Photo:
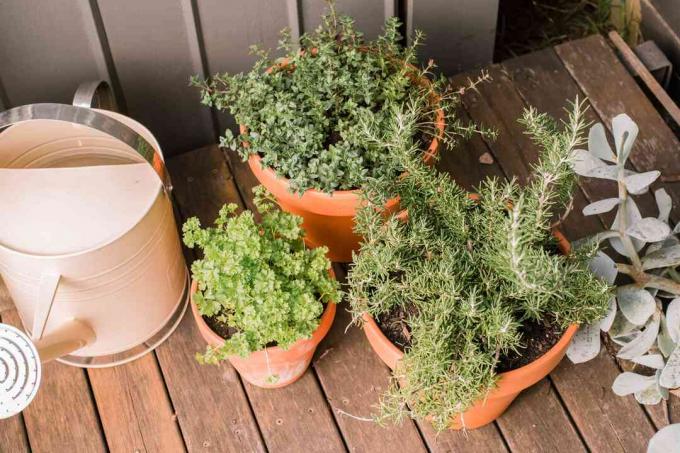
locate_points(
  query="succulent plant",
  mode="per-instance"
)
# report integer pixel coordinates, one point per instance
(644, 310)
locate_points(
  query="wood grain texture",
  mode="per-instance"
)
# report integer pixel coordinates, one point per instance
(134, 407)
(153, 46)
(353, 378)
(487, 439)
(634, 62)
(536, 421)
(603, 418)
(211, 406)
(611, 91)
(63, 416)
(295, 417)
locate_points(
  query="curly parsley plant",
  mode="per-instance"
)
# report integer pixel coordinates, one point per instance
(259, 279)
(303, 112)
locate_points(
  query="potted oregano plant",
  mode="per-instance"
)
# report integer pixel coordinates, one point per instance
(299, 118)
(471, 299)
(643, 320)
(260, 298)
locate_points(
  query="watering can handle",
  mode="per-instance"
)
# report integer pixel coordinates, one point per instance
(95, 94)
(93, 119)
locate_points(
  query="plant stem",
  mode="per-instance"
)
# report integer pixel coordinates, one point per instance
(649, 280)
(625, 239)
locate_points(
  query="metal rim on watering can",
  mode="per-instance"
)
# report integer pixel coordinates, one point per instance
(95, 120)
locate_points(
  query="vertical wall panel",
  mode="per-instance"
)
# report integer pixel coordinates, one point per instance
(369, 14)
(229, 29)
(47, 49)
(460, 34)
(155, 50)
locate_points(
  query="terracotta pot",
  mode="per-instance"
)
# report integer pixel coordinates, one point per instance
(272, 367)
(328, 219)
(509, 384)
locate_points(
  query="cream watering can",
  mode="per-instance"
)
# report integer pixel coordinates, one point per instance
(89, 249)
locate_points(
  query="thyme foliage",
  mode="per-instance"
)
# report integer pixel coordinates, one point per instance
(258, 279)
(303, 112)
(474, 270)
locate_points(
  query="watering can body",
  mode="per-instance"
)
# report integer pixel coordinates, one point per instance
(88, 230)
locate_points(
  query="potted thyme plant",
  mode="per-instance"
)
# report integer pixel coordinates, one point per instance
(471, 299)
(299, 119)
(260, 298)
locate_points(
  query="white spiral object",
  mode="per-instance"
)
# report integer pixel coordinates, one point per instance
(19, 371)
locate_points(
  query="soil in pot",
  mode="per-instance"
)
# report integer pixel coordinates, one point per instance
(537, 337)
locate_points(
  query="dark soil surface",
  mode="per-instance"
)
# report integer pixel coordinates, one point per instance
(394, 326)
(538, 337)
(219, 328)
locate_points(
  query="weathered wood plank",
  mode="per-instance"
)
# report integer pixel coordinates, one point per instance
(211, 406)
(293, 418)
(463, 162)
(543, 82)
(536, 421)
(296, 417)
(611, 90)
(63, 416)
(486, 439)
(606, 421)
(353, 378)
(13, 437)
(134, 407)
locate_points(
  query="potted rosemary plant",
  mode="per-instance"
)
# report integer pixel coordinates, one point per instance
(471, 299)
(299, 119)
(260, 298)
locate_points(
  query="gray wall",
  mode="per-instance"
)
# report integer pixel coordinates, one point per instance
(147, 49)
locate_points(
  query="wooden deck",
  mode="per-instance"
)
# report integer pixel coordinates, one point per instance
(166, 402)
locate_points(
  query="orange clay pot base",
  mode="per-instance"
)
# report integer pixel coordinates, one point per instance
(510, 383)
(272, 367)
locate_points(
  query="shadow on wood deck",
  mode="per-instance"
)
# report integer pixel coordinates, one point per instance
(166, 402)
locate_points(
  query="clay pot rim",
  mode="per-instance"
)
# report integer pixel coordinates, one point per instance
(509, 382)
(254, 160)
(325, 323)
(369, 323)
